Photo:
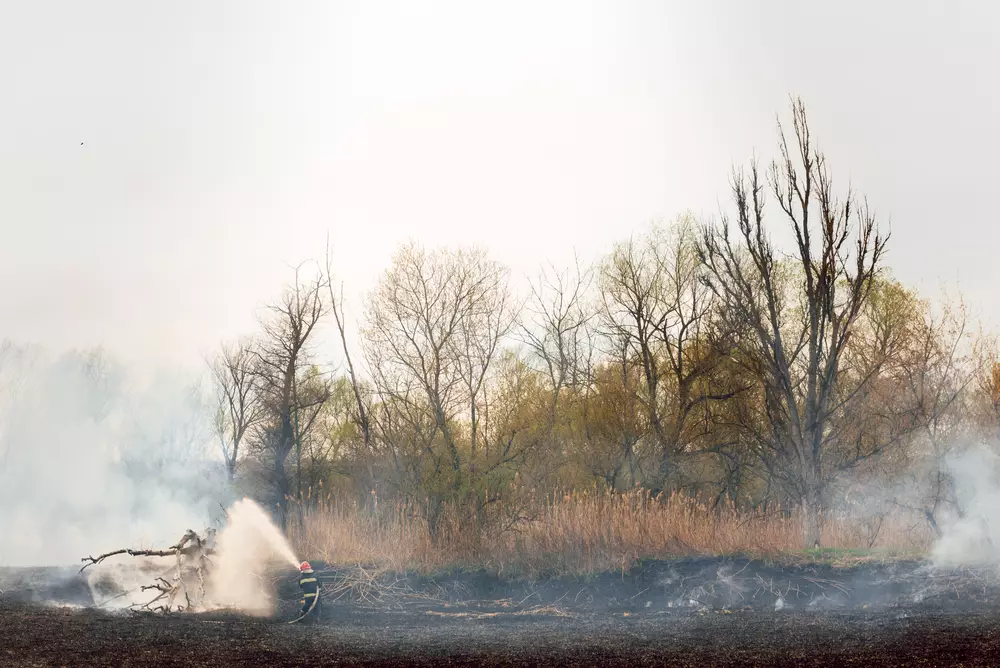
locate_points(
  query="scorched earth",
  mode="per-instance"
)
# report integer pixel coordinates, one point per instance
(691, 612)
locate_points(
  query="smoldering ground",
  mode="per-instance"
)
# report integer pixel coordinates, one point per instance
(688, 612)
(697, 611)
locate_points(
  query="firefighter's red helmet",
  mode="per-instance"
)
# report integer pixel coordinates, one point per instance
(304, 566)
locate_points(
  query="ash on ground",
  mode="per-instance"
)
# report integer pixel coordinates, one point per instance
(667, 586)
(663, 586)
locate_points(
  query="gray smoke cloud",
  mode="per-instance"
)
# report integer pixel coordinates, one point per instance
(94, 458)
(972, 537)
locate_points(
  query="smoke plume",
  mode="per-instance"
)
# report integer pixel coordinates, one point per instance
(93, 459)
(972, 536)
(234, 574)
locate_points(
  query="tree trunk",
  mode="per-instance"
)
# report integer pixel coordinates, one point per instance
(810, 523)
(474, 433)
(281, 483)
(298, 460)
(664, 470)
(811, 509)
(286, 441)
(435, 509)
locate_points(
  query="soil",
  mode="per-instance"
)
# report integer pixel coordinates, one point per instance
(691, 613)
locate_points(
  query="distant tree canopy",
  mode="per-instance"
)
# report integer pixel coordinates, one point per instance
(695, 357)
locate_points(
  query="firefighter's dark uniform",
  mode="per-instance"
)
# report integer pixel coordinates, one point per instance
(310, 593)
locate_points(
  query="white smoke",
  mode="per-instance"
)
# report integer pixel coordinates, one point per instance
(92, 459)
(972, 537)
(247, 553)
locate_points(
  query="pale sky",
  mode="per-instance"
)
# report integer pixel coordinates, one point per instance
(161, 163)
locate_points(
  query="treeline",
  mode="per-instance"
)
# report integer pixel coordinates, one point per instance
(697, 357)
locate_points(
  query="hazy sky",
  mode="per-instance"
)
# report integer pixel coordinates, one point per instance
(160, 163)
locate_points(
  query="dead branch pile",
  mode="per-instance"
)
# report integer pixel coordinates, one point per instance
(370, 586)
(182, 586)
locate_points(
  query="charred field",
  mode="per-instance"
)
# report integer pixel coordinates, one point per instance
(699, 611)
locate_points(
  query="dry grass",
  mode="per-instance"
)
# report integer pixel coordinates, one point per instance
(582, 532)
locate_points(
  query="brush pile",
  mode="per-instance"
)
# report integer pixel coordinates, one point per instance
(371, 586)
(180, 586)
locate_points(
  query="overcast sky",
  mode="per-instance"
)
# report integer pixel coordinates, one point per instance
(161, 163)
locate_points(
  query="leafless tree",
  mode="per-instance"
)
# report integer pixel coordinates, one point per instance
(239, 408)
(434, 325)
(284, 366)
(361, 398)
(489, 317)
(557, 330)
(657, 310)
(939, 368)
(797, 316)
(422, 320)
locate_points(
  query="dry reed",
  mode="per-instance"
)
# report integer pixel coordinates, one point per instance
(574, 532)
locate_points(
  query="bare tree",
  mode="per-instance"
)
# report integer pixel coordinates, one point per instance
(283, 363)
(237, 385)
(557, 330)
(987, 389)
(489, 317)
(361, 399)
(938, 367)
(797, 318)
(656, 310)
(434, 326)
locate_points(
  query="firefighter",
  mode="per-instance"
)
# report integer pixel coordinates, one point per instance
(310, 590)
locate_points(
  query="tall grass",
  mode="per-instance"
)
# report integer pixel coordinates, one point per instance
(574, 532)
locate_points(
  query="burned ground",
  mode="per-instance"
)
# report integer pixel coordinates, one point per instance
(690, 612)
(699, 584)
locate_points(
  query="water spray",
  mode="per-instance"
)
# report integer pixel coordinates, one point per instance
(210, 572)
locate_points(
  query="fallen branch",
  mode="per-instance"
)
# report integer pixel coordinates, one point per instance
(96, 560)
(192, 561)
(113, 598)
